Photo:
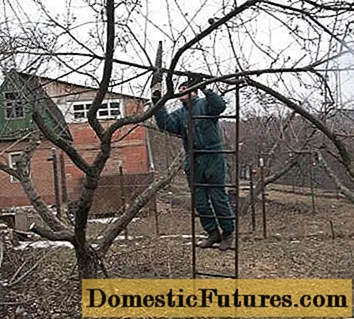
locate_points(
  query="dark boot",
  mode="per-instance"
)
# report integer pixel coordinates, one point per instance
(213, 238)
(226, 242)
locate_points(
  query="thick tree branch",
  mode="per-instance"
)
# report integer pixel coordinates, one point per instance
(62, 235)
(22, 173)
(63, 144)
(117, 227)
(346, 156)
(341, 187)
(224, 79)
(340, 6)
(230, 80)
(7, 169)
(202, 35)
(107, 71)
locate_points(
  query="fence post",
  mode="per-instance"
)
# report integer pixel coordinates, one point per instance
(261, 166)
(56, 181)
(252, 198)
(64, 189)
(292, 180)
(312, 163)
(121, 181)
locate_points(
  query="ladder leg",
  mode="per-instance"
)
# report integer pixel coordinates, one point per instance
(192, 181)
(237, 178)
(219, 185)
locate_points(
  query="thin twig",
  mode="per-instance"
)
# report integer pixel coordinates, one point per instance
(18, 271)
(29, 271)
(332, 229)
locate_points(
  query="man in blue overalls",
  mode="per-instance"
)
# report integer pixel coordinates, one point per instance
(209, 168)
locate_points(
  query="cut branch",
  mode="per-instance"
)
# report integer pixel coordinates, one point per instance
(64, 235)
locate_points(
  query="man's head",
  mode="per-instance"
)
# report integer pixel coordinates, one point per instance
(184, 86)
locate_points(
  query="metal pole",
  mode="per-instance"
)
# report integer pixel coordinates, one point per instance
(64, 189)
(293, 182)
(122, 195)
(56, 182)
(169, 185)
(156, 221)
(312, 163)
(191, 179)
(252, 199)
(261, 165)
(237, 176)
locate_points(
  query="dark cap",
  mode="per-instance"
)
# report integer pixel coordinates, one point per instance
(188, 84)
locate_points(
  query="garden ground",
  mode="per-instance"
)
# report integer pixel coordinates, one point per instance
(301, 243)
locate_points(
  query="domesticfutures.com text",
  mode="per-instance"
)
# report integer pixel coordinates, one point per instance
(207, 297)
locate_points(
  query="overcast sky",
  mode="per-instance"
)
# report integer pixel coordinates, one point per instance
(256, 42)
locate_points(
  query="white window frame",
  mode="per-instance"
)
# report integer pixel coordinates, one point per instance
(11, 104)
(109, 109)
(12, 164)
(84, 110)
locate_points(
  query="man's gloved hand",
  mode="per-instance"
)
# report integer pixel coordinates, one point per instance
(155, 96)
(196, 80)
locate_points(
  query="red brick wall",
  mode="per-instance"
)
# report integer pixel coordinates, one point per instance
(12, 194)
(131, 150)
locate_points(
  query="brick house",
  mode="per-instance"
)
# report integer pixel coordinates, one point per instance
(64, 107)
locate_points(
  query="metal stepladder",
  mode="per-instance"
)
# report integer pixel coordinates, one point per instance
(194, 185)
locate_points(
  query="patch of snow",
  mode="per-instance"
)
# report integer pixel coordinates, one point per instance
(40, 244)
(190, 236)
(122, 237)
(181, 236)
(43, 244)
(108, 220)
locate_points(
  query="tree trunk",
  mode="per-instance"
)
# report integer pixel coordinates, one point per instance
(87, 261)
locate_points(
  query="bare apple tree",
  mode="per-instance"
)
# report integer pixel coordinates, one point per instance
(271, 49)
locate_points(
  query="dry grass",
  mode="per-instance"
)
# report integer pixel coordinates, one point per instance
(300, 244)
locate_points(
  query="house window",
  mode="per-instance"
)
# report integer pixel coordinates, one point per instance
(14, 158)
(81, 110)
(108, 110)
(13, 106)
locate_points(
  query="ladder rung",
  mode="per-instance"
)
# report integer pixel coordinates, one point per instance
(214, 151)
(213, 216)
(214, 275)
(214, 185)
(217, 247)
(200, 117)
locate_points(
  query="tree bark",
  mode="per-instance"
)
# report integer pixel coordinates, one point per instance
(87, 261)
